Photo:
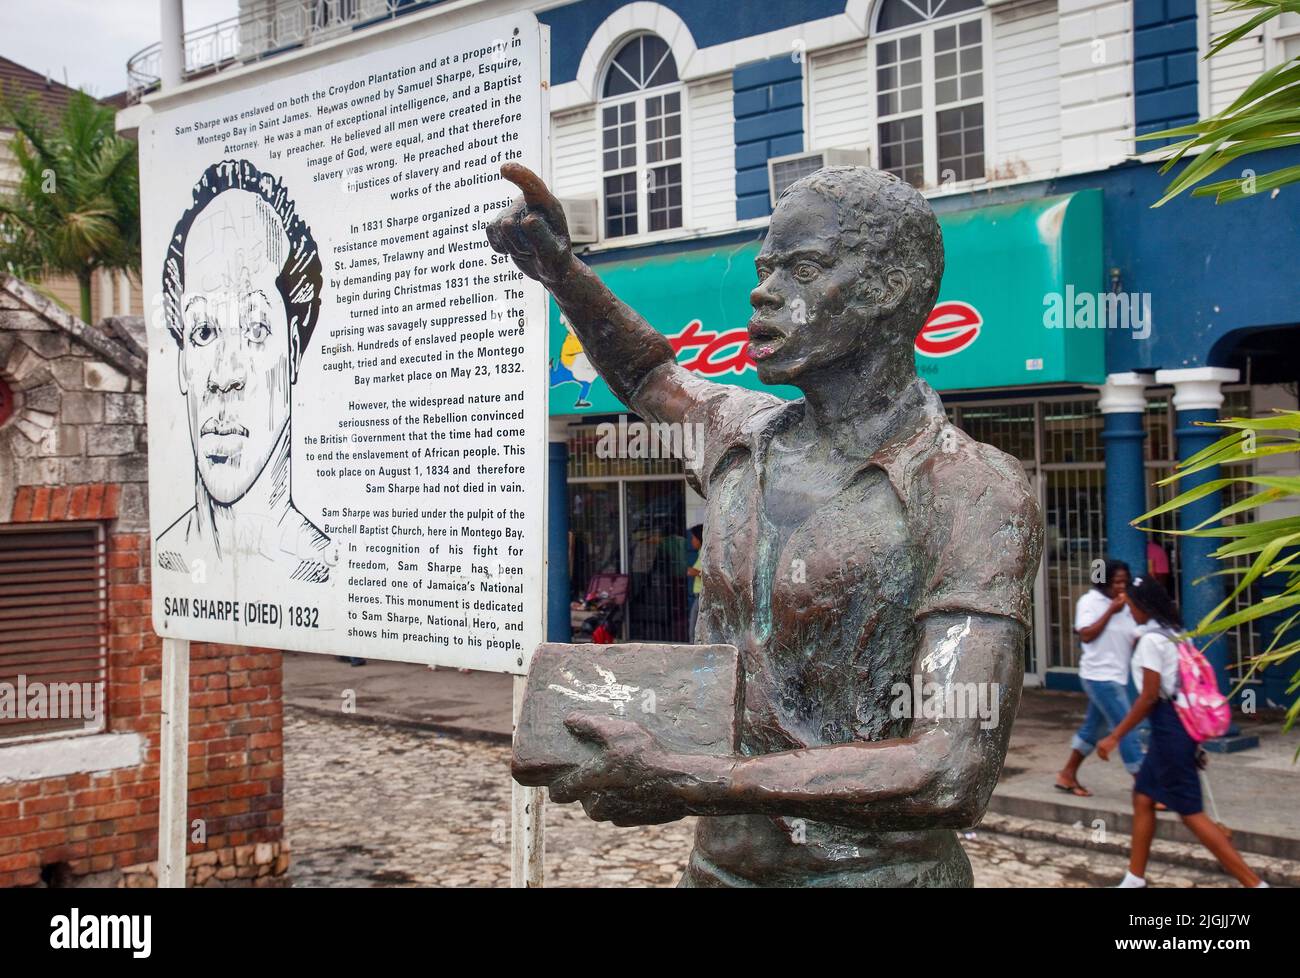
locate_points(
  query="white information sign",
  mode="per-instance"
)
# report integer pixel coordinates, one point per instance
(347, 391)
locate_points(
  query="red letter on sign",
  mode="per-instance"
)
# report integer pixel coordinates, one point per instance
(710, 345)
(949, 329)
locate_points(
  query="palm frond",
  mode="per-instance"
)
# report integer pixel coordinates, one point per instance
(75, 206)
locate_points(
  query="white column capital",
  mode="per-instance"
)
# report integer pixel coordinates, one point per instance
(1198, 388)
(1124, 393)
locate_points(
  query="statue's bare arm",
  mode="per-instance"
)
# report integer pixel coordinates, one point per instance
(940, 775)
(634, 359)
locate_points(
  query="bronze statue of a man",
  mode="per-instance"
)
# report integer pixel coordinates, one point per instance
(863, 554)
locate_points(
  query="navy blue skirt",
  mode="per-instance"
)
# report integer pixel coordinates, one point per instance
(1169, 773)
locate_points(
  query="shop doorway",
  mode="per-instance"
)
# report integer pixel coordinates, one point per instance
(1058, 441)
(631, 516)
(658, 556)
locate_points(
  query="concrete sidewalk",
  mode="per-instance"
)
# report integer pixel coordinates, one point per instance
(1257, 791)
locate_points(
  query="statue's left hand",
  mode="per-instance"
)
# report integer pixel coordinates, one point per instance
(630, 779)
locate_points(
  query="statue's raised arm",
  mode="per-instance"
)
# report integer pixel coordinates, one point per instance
(626, 349)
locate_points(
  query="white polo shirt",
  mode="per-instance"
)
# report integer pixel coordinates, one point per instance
(1105, 658)
(1158, 652)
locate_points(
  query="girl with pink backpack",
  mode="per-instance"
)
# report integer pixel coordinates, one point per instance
(1180, 698)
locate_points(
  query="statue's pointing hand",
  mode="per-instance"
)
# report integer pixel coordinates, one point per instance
(533, 230)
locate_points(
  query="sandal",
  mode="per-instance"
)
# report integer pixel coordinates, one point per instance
(1076, 789)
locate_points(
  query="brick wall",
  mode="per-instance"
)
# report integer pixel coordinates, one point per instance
(75, 449)
(236, 761)
(102, 828)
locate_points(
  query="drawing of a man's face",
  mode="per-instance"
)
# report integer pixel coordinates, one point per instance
(237, 353)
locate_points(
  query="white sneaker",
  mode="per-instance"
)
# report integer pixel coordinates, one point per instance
(1131, 882)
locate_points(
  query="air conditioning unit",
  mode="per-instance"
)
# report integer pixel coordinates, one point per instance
(785, 170)
(583, 215)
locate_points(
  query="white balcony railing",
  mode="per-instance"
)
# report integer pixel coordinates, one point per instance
(262, 29)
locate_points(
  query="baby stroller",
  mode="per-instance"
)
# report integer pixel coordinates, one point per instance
(599, 617)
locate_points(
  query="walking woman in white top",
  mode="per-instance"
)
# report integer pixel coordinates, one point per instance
(1169, 774)
(1106, 630)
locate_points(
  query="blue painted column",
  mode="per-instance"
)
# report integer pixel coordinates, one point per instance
(1198, 396)
(1123, 407)
(767, 106)
(1164, 65)
(558, 628)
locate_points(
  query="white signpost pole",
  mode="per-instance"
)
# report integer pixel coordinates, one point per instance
(528, 805)
(173, 762)
(527, 820)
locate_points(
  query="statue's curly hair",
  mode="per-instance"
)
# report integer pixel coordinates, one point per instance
(889, 220)
(301, 276)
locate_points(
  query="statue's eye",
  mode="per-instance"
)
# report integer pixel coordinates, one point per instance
(763, 273)
(202, 333)
(257, 331)
(806, 271)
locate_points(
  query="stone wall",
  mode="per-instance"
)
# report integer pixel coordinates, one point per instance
(83, 810)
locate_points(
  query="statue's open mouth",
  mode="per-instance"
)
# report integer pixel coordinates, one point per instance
(764, 340)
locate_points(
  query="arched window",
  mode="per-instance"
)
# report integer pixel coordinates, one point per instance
(641, 139)
(929, 57)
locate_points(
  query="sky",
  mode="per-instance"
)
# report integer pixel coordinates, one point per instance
(87, 42)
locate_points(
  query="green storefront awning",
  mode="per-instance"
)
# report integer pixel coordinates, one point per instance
(1010, 271)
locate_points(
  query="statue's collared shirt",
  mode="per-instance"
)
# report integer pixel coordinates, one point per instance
(827, 616)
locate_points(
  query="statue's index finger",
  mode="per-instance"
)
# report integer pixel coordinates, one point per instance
(535, 191)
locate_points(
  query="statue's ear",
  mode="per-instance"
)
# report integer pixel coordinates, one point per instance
(896, 283)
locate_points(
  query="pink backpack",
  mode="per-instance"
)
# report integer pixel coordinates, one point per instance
(1202, 708)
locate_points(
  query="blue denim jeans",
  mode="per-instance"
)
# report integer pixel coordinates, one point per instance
(1108, 704)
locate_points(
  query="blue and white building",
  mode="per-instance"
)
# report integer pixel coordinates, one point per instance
(676, 123)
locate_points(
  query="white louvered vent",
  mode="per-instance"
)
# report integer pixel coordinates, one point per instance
(584, 218)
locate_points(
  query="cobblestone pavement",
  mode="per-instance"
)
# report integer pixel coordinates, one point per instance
(378, 805)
